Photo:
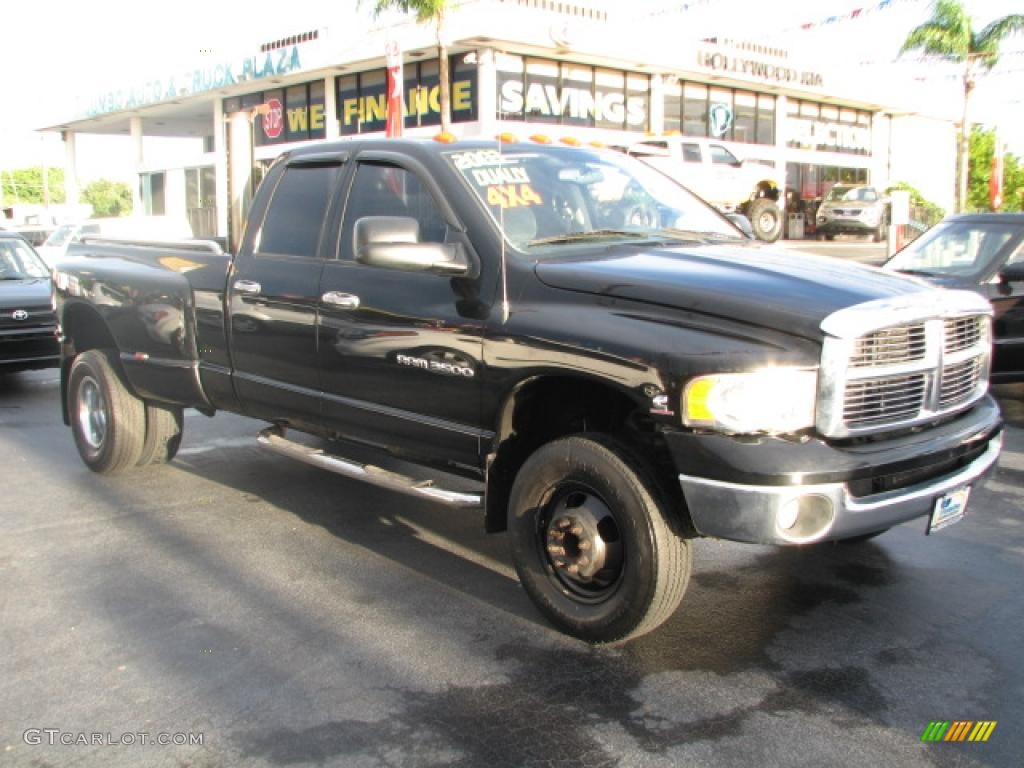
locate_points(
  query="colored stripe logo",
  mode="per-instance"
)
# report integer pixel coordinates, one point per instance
(959, 730)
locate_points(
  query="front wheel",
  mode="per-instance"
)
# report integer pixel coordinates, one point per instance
(766, 219)
(592, 541)
(108, 421)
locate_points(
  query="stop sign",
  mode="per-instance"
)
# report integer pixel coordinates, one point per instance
(273, 120)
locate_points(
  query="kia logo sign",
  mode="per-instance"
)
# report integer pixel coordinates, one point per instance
(273, 121)
(20, 314)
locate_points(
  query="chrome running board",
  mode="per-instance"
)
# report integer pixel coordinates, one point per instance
(273, 438)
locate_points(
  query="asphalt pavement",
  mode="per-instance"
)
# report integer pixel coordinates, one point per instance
(283, 616)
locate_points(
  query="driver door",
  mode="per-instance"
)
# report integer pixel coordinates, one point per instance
(399, 351)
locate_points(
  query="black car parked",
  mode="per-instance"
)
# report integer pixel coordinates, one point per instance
(27, 321)
(985, 253)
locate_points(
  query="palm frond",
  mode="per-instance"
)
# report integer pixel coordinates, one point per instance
(947, 33)
(988, 40)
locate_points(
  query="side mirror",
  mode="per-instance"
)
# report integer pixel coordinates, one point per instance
(1012, 273)
(742, 223)
(392, 242)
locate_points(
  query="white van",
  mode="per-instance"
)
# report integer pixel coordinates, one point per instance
(157, 228)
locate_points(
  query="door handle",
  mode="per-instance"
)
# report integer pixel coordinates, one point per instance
(342, 300)
(248, 286)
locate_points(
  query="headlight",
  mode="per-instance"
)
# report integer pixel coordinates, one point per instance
(774, 400)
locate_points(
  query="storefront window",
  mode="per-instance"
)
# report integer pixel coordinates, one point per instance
(613, 85)
(577, 79)
(541, 82)
(721, 114)
(153, 194)
(296, 113)
(673, 91)
(765, 120)
(695, 110)
(745, 124)
(317, 114)
(201, 200)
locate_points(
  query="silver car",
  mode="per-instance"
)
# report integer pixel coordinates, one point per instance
(855, 210)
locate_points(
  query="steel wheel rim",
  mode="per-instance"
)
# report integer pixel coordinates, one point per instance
(581, 543)
(767, 220)
(92, 413)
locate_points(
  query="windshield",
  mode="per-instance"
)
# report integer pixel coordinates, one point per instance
(543, 195)
(851, 194)
(61, 235)
(18, 261)
(961, 248)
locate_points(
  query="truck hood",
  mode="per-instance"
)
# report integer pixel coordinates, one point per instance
(767, 287)
(22, 294)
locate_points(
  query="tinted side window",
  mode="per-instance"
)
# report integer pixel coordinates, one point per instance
(387, 190)
(691, 153)
(296, 212)
(723, 156)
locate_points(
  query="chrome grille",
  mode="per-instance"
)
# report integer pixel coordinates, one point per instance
(874, 401)
(962, 332)
(889, 346)
(959, 381)
(930, 359)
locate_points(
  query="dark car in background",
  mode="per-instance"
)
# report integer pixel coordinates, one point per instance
(28, 325)
(853, 210)
(984, 253)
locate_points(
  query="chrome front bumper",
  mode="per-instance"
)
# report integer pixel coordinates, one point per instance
(752, 513)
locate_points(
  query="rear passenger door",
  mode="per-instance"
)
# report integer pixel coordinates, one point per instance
(400, 351)
(273, 295)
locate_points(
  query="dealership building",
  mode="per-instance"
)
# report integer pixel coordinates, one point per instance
(525, 67)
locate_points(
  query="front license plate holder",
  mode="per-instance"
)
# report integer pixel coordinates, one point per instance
(949, 508)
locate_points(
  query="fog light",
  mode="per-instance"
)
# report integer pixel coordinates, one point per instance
(788, 515)
(805, 518)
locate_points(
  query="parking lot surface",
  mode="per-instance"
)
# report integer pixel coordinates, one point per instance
(284, 616)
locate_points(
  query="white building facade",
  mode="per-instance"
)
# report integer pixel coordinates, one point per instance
(524, 67)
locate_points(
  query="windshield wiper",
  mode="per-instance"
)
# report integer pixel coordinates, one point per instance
(700, 237)
(593, 234)
(15, 277)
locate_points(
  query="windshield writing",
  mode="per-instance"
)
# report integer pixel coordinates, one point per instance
(546, 195)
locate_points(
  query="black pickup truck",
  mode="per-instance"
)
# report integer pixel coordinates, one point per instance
(558, 335)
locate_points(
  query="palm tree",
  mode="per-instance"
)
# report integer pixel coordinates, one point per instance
(428, 10)
(950, 35)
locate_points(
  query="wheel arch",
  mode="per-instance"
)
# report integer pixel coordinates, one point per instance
(547, 406)
(83, 329)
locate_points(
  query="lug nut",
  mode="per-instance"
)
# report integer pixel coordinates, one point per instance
(556, 550)
(584, 545)
(577, 530)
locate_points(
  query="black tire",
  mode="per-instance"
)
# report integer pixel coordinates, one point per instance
(108, 421)
(632, 573)
(830, 237)
(164, 424)
(766, 219)
(880, 233)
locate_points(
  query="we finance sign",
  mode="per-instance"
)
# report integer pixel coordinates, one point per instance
(199, 80)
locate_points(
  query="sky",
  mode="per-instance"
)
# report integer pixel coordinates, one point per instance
(56, 53)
